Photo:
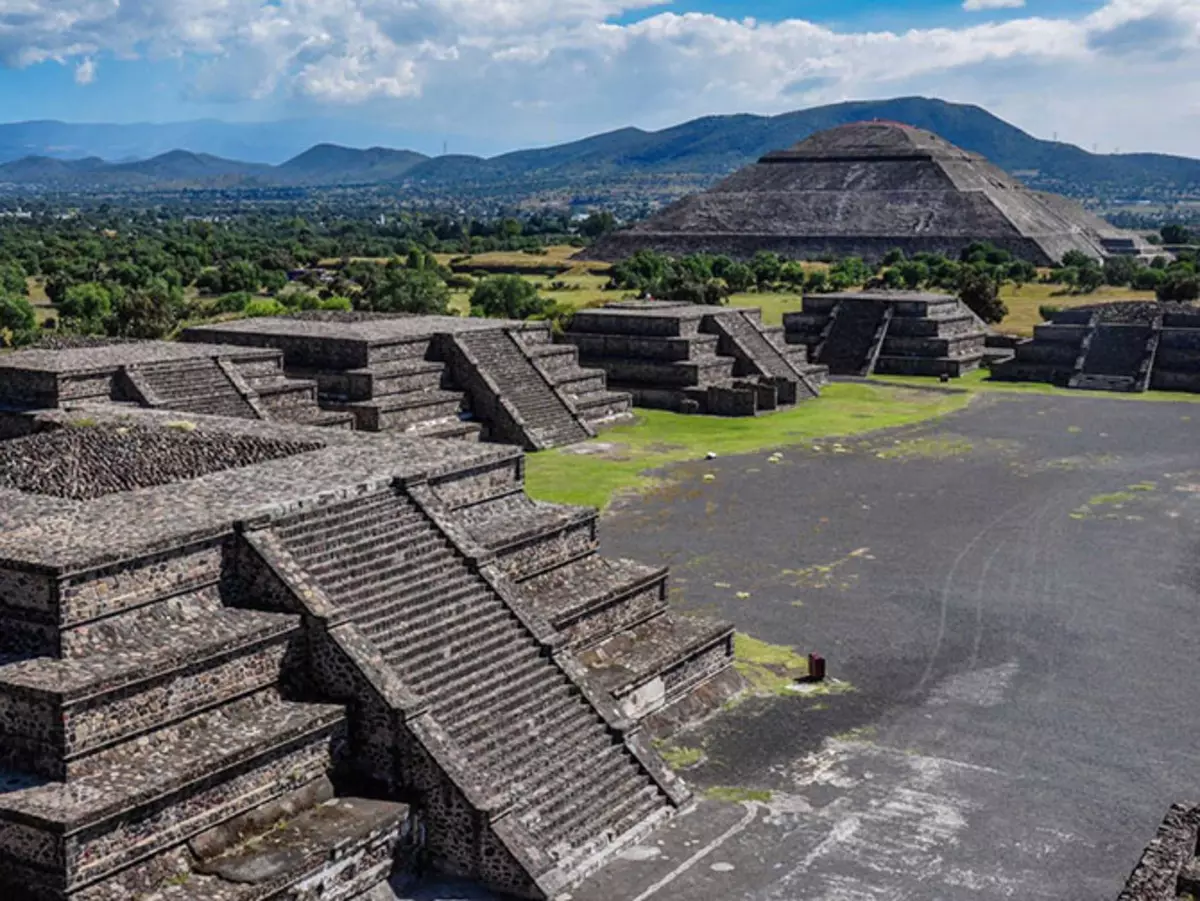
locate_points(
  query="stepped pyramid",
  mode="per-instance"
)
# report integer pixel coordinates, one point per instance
(862, 190)
(437, 376)
(1124, 346)
(888, 332)
(692, 358)
(245, 660)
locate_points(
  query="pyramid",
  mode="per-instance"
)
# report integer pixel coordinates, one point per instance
(864, 189)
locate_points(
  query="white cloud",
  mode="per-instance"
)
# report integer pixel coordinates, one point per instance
(547, 70)
(977, 5)
(85, 72)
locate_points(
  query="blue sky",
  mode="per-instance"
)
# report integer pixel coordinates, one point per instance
(507, 73)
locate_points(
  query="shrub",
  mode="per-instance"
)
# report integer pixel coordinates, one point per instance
(264, 306)
(509, 297)
(1048, 310)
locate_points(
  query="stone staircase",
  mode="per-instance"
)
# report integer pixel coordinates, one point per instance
(520, 400)
(746, 339)
(200, 385)
(586, 389)
(1115, 358)
(856, 333)
(401, 390)
(661, 669)
(153, 734)
(490, 705)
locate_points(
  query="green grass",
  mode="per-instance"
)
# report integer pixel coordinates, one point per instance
(619, 460)
(734, 794)
(769, 668)
(979, 381)
(680, 758)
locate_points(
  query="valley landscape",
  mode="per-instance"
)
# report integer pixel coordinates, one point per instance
(705, 487)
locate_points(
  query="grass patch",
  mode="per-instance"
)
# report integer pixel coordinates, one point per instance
(1111, 499)
(734, 794)
(769, 668)
(934, 447)
(679, 758)
(619, 461)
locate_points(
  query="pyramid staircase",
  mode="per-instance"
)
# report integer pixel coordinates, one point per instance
(855, 337)
(549, 781)
(252, 389)
(516, 397)
(153, 739)
(660, 668)
(1115, 358)
(745, 338)
(586, 390)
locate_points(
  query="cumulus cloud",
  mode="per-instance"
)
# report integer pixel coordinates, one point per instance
(85, 72)
(977, 5)
(527, 70)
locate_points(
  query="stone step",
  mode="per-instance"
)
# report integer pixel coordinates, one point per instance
(614, 826)
(340, 849)
(396, 377)
(122, 630)
(396, 411)
(463, 623)
(316, 524)
(609, 780)
(166, 672)
(178, 782)
(604, 403)
(508, 696)
(449, 429)
(421, 674)
(594, 596)
(406, 542)
(449, 688)
(582, 752)
(349, 542)
(359, 590)
(578, 382)
(483, 692)
(419, 603)
(541, 725)
(282, 391)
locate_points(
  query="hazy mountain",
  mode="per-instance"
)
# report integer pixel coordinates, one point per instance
(329, 162)
(627, 162)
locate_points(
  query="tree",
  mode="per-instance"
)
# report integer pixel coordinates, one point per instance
(1120, 270)
(599, 223)
(148, 312)
(18, 322)
(1176, 234)
(739, 277)
(12, 281)
(1076, 259)
(86, 308)
(766, 266)
(1180, 286)
(980, 291)
(1089, 278)
(508, 297)
(894, 257)
(403, 290)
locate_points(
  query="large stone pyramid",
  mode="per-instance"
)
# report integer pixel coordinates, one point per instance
(863, 189)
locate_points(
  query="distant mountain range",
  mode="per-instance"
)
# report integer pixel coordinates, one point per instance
(622, 163)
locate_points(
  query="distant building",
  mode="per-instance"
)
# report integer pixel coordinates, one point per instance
(864, 189)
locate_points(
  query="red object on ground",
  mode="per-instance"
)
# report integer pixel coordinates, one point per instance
(816, 668)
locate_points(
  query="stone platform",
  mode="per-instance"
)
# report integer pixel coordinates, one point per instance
(888, 332)
(265, 661)
(1170, 868)
(693, 359)
(221, 380)
(1125, 347)
(437, 376)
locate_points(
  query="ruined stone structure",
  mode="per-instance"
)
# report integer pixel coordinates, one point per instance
(420, 375)
(864, 189)
(245, 383)
(1113, 347)
(693, 359)
(888, 332)
(1170, 868)
(255, 660)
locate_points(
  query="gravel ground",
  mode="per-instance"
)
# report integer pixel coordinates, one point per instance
(1006, 598)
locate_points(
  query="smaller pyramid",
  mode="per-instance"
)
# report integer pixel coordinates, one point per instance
(864, 189)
